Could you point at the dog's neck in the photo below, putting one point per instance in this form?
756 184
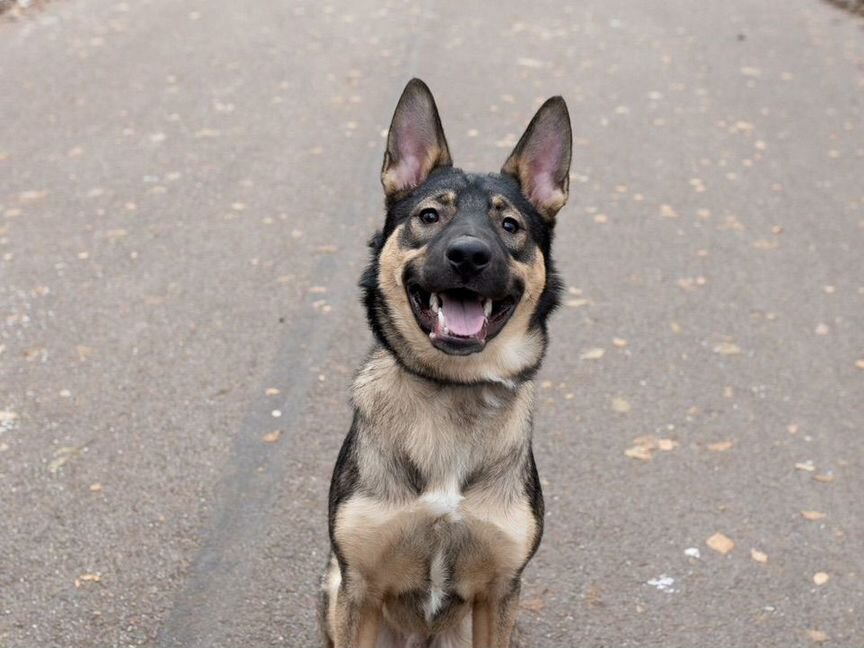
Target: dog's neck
448 431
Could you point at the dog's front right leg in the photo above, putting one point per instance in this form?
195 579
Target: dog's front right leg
356 622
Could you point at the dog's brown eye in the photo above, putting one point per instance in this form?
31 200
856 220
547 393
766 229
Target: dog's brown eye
429 216
510 225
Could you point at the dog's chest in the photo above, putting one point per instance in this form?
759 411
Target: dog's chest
430 554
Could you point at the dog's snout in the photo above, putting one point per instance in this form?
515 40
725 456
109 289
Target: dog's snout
468 255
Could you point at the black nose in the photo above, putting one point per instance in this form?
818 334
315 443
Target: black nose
468 255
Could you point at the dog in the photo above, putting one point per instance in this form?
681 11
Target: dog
435 504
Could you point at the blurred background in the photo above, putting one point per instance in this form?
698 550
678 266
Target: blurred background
186 189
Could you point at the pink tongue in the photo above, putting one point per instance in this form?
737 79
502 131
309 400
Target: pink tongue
463 318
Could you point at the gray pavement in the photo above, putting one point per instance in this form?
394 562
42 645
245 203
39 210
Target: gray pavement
185 194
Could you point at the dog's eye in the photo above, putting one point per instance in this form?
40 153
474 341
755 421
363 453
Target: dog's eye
510 225
429 216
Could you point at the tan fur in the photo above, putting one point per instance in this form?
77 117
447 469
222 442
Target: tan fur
505 356
388 539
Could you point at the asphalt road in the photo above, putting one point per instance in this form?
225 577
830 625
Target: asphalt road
186 189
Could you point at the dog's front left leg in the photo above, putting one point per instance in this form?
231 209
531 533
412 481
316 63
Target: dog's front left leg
494 618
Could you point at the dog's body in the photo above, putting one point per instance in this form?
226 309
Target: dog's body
435 503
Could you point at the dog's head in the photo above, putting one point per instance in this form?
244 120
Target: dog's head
461 280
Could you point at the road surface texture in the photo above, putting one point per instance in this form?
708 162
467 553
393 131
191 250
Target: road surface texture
186 189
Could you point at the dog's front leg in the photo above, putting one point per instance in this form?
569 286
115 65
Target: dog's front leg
494 617
355 622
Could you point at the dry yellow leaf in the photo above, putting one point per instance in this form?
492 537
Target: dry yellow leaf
765 244
619 342
817 635
813 515
272 437
534 604
806 466
95 488
271 391
576 303
720 543
727 348
667 444
620 405
593 354
721 446
820 578
758 556
88 578
639 452
826 478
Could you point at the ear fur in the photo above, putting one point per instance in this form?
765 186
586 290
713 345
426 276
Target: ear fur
415 143
541 160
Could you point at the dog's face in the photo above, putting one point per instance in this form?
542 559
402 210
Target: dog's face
461 280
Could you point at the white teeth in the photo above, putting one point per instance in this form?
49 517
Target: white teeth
487 307
434 303
441 321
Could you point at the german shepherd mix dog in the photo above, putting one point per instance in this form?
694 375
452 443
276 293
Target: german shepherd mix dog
435 503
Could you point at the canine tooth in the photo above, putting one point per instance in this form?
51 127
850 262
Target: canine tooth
441 321
487 307
434 304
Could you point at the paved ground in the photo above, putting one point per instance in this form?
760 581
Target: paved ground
185 192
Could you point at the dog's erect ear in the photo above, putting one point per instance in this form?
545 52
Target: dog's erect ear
541 160
416 142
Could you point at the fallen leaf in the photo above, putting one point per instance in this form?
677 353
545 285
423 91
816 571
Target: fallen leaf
765 244
817 635
28 196
860 363
593 354
720 543
727 348
758 556
820 578
821 329
271 391
272 437
529 62
95 488
806 466
83 352
639 452
576 303
813 515
666 211
620 405
825 478
721 446
619 342
534 605
88 578
207 132
667 444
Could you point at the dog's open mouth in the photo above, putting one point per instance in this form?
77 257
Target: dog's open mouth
459 321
